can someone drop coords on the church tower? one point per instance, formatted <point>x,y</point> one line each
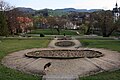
<point>116,12</point>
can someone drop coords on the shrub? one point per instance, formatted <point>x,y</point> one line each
<point>42,35</point>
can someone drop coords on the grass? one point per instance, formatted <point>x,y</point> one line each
<point>8,46</point>
<point>108,44</point>
<point>49,32</point>
<point>28,38</point>
<point>9,74</point>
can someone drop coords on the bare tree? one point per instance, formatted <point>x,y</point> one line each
<point>4,6</point>
<point>51,22</point>
<point>105,21</point>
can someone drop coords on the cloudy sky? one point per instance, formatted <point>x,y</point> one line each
<point>58,4</point>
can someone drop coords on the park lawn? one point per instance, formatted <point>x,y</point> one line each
<point>8,46</point>
<point>49,32</point>
<point>108,44</point>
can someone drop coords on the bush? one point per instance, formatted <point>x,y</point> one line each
<point>42,35</point>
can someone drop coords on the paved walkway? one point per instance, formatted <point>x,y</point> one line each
<point>80,66</point>
<point>65,69</point>
<point>52,44</point>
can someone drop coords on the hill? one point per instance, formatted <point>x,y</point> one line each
<point>56,12</point>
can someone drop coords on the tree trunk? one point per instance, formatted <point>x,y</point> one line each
<point>58,30</point>
<point>104,30</point>
<point>111,32</point>
<point>51,30</point>
<point>88,31</point>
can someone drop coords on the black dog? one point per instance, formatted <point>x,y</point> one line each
<point>47,65</point>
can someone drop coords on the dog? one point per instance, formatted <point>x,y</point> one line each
<point>47,65</point>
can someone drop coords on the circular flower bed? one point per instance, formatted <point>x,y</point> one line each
<point>65,44</point>
<point>64,54</point>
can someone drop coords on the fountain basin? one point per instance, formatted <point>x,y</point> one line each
<point>64,54</point>
<point>64,44</point>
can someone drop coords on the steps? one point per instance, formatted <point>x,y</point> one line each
<point>60,77</point>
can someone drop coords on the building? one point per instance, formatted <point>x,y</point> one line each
<point>70,25</point>
<point>116,12</point>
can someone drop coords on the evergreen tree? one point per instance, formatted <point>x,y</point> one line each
<point>3,25</point>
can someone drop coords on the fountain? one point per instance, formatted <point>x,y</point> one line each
<point>64,54</point>
<point>64,43</point>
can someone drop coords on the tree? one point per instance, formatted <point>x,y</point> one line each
<point>25,24</point>
<point>88,21</point>
<point>4,6</point>
<point>105,21</point>
<point>60,24</point>
<point>13,25</point>
<point>3,25</point>
<point>51,21</point>
<point>83,28</point>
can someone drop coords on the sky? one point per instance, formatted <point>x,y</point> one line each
<point>58,4</point>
